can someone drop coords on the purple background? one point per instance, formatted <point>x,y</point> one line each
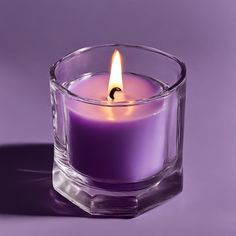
<point>33,34</point>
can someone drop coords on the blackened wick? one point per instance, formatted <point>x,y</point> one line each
<point>112,92</point>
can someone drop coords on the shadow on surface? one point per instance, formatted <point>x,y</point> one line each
<point>26,183</point>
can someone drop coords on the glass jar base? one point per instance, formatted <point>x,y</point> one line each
<point>103,202</point>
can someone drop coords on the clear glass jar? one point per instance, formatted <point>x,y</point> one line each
<point>118,158</point>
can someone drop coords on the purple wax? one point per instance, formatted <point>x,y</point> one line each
<point>117,144</point>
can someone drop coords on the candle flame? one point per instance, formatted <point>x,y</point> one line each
<point>115,80</point>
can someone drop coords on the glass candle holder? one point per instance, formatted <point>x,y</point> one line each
<point>118,158</point>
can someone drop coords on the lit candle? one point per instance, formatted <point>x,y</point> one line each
<point>111,142</point>
<point>118,133</point>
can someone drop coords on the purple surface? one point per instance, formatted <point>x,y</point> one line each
<point>36,33</point>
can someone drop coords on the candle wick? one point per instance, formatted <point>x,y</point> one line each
<point>112,92</point>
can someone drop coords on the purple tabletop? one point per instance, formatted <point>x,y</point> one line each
<point>34,34</point>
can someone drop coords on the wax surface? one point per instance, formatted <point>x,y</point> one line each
<point>117,144</point>
<point>135,87</point>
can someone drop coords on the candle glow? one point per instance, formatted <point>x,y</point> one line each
<point>115,80</point>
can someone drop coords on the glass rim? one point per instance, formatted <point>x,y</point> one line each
<point>181,78</point>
